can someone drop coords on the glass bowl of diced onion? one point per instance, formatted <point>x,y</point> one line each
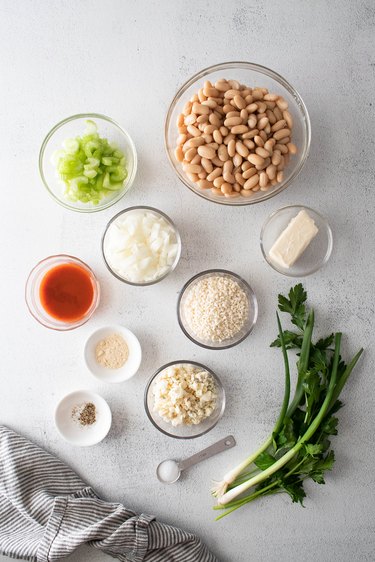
<point>141,245</point>
<point>87,188</point>
<point>182,430</point>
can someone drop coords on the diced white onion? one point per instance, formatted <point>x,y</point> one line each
<point>140,246</point>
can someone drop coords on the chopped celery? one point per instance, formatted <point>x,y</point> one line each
<point>90,167</point>
<point>107,161</point>
<point>90,173</point>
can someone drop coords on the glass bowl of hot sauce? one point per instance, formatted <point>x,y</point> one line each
<point>62,292</point>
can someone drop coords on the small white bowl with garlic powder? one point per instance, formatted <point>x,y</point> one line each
<point>113,354</point>
<point>141,246</point>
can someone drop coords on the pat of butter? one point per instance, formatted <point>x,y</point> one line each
<point>294,240</point>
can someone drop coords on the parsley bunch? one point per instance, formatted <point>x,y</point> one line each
<point>299,447</point>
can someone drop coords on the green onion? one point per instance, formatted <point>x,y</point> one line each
<point>90,167</point>
<point>229,496</point>
<point>220,488</point>
<point>299,447</point>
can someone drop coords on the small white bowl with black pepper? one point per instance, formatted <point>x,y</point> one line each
<point>83,418</point>
<point>113,354</point>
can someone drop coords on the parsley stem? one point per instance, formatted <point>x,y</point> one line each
<point>344,377</point>
<point>303,363</point>
<point>293,469</point>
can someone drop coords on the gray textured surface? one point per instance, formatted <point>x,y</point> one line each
<point>127,59</point>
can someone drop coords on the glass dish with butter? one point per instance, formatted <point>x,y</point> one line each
<point>296,241</point>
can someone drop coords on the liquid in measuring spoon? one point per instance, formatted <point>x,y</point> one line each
<point>168,471</point>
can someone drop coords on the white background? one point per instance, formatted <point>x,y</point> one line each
<point>127,59</point>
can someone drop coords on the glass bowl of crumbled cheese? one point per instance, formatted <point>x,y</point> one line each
<point>217,309</point>
<point>184,399</point>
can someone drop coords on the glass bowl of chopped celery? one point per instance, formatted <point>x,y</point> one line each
<point>87,162</point>
<point>184,399</point>
<point>217,309</point>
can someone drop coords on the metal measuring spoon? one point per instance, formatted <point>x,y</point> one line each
<point>169,471</point>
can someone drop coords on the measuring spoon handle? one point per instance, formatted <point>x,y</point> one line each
<point>218,447</point>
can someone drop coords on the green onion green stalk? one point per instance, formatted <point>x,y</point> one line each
<point>299,446</point>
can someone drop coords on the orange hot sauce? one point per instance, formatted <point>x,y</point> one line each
<point>66,292</point>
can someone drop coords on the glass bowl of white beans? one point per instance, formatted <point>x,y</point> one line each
<point>237,133</point>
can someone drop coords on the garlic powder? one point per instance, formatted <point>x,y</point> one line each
<point>112,352</point>
<point>184,394</point>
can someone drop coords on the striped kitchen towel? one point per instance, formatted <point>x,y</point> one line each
<point>46,512</point>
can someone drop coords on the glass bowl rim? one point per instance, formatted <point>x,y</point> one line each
<point>196,364</point>
<point>65,327</point>
<point>330,240</point>
<point>123,131</point>
<point>230,274</point>
<point>169,220</point>
<point>262,70</point>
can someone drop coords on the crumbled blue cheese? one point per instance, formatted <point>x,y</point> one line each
<point>184,394</point>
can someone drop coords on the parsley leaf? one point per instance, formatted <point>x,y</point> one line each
<point>312,388</point>
<point>264,461</point>
<point>326,463</point>
<point>313,449</point>
<point>329,426</point>
<point>325,343</point>
<point>291,340</point>
<point>295,491</point>
<point>286,438</point>
<point>295,305</point>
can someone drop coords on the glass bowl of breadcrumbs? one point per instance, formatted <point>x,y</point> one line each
<point>217,309</point>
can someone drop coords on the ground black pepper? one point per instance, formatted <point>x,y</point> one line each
<point>85,414</point>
